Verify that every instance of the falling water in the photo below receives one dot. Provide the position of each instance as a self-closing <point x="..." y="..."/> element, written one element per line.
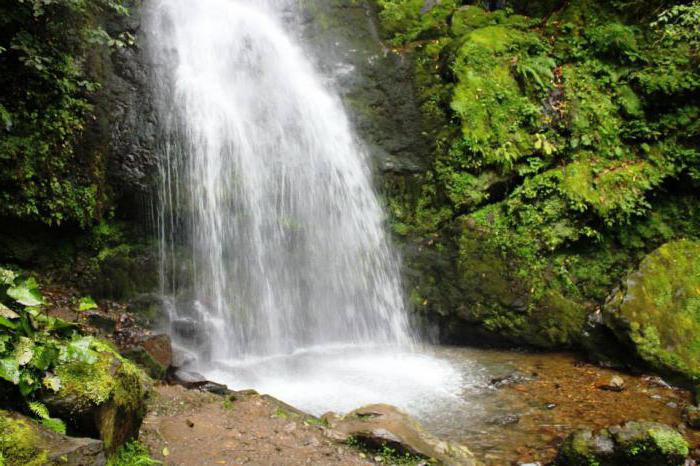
<point x="272" y="234"/>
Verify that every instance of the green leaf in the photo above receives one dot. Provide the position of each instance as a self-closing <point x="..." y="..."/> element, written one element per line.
<point x="26" y="295"/>
<point x="55" y="424"/>
<point x="7" y="313"/>
<point x="44" y="357"/>
<point x="86" y="304"/>
<point x="7" y="277"/>
<point x="24" y="352"/>
<point x="39" y="409"/>
<point x="79" y="350"/>
<point x="9" y="370"/>
<point x="4" y="322"/>
<point x="52" y="382"/>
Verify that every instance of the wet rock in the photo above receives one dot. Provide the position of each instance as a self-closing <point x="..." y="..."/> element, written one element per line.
<point x="615" y="384"/>
<point x="24" y="442"/>
<point x="655" y="311"/>
<point x="188" y="330"/>
<point x="507" y="420"/>
<point x="657" y="382"/>
<point x="510" y="379"/>
<point x="195" y="381"/>
<point x="153" y="352"/>
<point x="634" y="443"/>
<point x="691" y="414"/>
<point x="380" y="425"/>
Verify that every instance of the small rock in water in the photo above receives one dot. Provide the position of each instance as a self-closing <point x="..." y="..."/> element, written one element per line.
<point x="551" y="406"/>
<point x="672" y="405"/>
<point x="506" y="420"/>
<point x="657" y="382"/>
<point x="691" y="414"/>
<point x="616" y="384"/>
<point x="510" y="379"/>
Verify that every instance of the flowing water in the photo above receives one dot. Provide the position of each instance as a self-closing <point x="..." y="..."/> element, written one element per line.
<point x="267" y="197"/>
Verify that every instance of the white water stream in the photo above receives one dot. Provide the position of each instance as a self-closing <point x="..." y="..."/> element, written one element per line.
<point x="274" y="255"/>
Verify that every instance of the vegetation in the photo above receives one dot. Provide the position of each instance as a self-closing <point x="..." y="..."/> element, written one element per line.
<point x="567" y="147"/>
<point x="46" y="109"/>
<point x="132" y="454"/>
<point x="47" y="360"/>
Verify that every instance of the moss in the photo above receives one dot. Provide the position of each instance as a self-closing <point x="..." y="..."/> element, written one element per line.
<point x="110" y="392"/>
<point x="132" y="454"/>
<point x="648" y="444"/>
<point x="659" y="312"/>
<point x="19" y="443"/>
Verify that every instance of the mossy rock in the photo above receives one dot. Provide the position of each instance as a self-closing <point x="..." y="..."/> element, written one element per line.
<point x="635" y="443"/>
<point x="657" y="312"/>
<point x="23" y="442"/>
<point x="106" y="399"/>
<point x="19" y="443"/>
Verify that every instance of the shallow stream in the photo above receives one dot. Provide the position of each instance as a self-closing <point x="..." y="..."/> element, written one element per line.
<point x="507" y="407"/>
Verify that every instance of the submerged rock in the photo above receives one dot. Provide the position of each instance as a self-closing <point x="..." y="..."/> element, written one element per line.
<point x="615" y="384"/>
<point x="635" y="443"/>
<point x="657" y="310"/>
<point x="379" y="425"/>
<point x="691" y="414"/>
<point x="24" y="442"/>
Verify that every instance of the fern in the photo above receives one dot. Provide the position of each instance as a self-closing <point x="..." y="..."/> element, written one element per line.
<point x="42" y="412"/>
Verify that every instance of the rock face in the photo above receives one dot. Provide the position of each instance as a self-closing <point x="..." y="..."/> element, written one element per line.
<point x="657" y="311"/>
<point x="26" y="443"/>
<point x="379" y="425"/>
<point x="637" y="443"/>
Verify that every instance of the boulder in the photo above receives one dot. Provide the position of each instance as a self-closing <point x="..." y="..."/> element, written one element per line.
<point x="691" y="414"/>
<point x="25" y="442"/>
<point x="635" y="443"/>
<point x="152" y="352"/>
<point x="383" y="425"/>
<point x="657" y="310"/>
<point x="105" y="399"/>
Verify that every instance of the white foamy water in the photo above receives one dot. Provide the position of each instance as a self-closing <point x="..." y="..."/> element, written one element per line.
<point x="278" y="269"/>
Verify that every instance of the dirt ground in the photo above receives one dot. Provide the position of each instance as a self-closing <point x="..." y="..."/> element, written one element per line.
<point x="189" y="428"/>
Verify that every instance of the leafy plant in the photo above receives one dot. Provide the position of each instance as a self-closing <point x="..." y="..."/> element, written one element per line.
<point x="132" y="454"/>
<point x="33" y="344"/>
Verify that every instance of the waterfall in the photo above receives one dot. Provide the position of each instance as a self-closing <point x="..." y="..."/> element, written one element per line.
<point x="272" y="236"/>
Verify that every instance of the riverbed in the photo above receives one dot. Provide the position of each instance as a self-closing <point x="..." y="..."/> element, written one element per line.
<point x="506" y="406"/>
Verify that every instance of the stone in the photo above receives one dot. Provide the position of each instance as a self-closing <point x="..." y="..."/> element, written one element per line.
<point x="655" y="312"/>
<point x="106" y="399"/>
<point x="615" y="384"/>
<point x="691" y="414"/>
<point x="379" y="425"/>
<point x="25" y="442"/>
<point x="153" y="352"/>
<point x="634" y="443"/>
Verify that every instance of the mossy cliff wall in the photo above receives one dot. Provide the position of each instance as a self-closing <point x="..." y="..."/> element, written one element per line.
<point x="564" y="148"/>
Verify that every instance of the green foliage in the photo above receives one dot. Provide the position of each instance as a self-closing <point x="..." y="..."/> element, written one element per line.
<point x="132" y="454"/>
<point x="40" y="353"/>
<point x="681" y="24"/>
<point x="571" y="144"/>
<point x="45" y="109"/>
<point x="387" y="453"/>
